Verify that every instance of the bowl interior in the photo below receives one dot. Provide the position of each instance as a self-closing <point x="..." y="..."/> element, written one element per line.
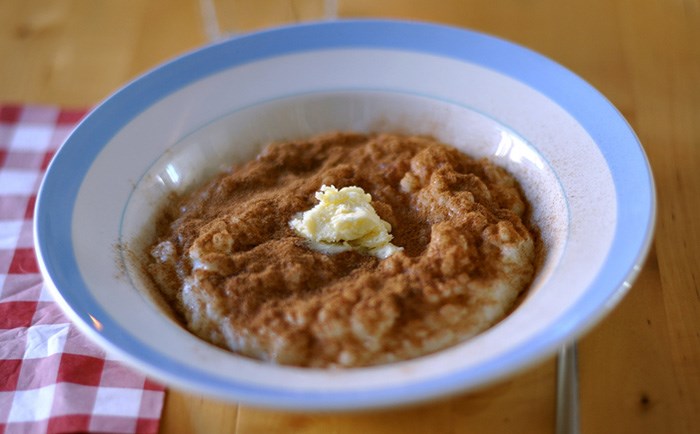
<point x="239" y="135"/>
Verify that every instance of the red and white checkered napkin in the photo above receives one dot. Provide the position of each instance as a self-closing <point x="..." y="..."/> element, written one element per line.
<point x="52" y="379"/>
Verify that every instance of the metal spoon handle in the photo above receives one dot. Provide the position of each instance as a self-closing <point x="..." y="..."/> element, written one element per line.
<point x="567" y="421"/>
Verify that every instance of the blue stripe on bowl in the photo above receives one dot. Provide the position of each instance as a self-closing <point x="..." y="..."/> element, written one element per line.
<point x="618" y="144"/>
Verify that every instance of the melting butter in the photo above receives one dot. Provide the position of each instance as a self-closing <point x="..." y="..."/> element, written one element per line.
<point x="345" y="220"/>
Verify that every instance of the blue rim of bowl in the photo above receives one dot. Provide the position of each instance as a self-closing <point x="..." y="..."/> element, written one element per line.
<point x="624" y="155"/>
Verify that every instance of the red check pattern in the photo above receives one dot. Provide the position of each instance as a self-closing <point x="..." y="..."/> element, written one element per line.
<point x="52" y="379"/>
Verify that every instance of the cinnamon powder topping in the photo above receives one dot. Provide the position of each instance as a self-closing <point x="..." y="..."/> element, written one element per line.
<point x="240" y="277"/>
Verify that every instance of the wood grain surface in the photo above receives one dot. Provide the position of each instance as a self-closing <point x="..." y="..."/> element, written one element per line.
<point x="639" y="368"/>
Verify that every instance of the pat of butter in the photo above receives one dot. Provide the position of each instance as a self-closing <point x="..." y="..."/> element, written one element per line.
<point x="344" y="220"/>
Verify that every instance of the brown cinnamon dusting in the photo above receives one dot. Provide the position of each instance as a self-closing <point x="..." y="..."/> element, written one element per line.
<point x="263" y="293"/>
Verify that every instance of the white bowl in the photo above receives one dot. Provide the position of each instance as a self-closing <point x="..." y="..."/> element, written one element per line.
<point x="576" y="157"/>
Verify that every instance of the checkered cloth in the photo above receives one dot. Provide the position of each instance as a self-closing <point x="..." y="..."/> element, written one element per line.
<point x="52" y="379"/>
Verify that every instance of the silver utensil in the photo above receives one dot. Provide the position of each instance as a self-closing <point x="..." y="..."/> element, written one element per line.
<point x="567" y="417"/>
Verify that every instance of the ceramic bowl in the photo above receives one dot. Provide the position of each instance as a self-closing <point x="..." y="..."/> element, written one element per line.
<point x="577" y="159"/>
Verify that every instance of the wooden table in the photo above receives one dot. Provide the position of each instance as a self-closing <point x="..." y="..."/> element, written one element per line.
<point x="639" y="368"/>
